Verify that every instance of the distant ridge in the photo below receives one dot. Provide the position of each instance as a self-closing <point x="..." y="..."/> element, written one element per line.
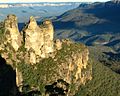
<point x="7" y="5"/>
<point x="116" y="1"/>
<point x="96" y="23"/>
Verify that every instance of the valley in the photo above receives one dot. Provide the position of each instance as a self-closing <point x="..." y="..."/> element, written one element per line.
<point x="77" y="54"/>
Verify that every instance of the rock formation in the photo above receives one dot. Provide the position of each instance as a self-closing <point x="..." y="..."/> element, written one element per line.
<point x="58" y="44"/>
<point x="43" y="35"/>
<point x="48" y="37"/>
<point x="33" y="34"/>
<point x="11" y="31"/>
<point x="72" y="69"/>
<point x="42" y="63"/>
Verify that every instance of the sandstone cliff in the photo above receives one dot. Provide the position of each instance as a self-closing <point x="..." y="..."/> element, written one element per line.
<point x="36" y="40"/>
<point x="43" y="35"/>
<point x="53" y="68"/>
<point x="11" y="31"/>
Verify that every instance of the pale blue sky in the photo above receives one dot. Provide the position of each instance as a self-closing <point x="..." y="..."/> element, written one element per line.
<point x="11" y="1"/>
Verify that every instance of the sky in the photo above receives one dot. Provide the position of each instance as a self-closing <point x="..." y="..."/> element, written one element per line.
<point x="13" y="1"/>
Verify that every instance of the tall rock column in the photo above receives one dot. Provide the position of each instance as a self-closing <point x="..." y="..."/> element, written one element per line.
<point x="11" y="32"/>
<point x="33" y="40"/>
<point x="39" y="39"/>
<point x="33" y="36"/>
<point x="48" y="37"/>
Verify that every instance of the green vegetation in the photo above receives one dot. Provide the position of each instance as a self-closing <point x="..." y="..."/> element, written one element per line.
<point x="1" y="29"/>
<point x="106" y="56"/>
<point x="104" y="83"/>
<point x="46" y="71"/>
<point x="22" y="49"/>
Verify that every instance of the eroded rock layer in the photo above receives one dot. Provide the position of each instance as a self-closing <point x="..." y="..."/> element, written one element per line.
<point x="53" y="68"/>
<point x="11" y="31"/>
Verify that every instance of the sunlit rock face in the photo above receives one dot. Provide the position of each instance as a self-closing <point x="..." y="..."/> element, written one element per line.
<point x="39" y="38"/>
<point x="73" y="69"/>
<point x="33" y="54"/>
<point x="11" y="31"/>
<point x="48" y="37"/>
<point x="58" y="44"/>
<point x="19" y="79"/>
<point x="33" y="36"/>
<point x="69" y="69"/>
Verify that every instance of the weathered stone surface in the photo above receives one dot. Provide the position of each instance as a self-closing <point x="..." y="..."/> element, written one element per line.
<point x="60" y="64"/>
<point x="19" y="79"/>
<point x="48" y="36"/>
<point x="43" y="35"/>
<point x="74" y="70"/>
<point x="58" y="44"/>
<point x="11" y="31"/>
<point x="68" y="70"/>
<point x="32" y="58"/>
<point x="34" y="36"/>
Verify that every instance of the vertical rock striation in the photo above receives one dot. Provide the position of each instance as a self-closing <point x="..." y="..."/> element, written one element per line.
<point x="48" y="31"/>
<point x="59" y="65"/>
<point x="11" y="31"/>
<point x="33" y="36"/>
<point x="39" y="39"/>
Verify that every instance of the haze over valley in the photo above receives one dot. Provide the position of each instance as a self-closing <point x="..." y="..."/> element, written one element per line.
<point x="60" y="49"/>
<point x="38" y="10"/>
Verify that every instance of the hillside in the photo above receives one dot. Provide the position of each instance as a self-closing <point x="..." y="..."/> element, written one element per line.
<point x="96" y="23"/>
<point x="104" y="83"/>
<point x="47" y="58"/>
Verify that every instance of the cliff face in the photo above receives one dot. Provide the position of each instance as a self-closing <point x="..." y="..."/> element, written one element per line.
<point x="71" y="69"/>
<point x="11" y="31"/>
<point x="43" y="35"/>
<point x="41" y="63"/>
<point x="27" y="39"/>
<point x="33" y="34"/>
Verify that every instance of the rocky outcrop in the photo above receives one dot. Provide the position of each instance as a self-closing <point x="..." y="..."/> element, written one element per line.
<point x="42" y="63"/>
<point x="72" y="69"/>
<point x="11" y="31"/>
<point x="30" y="45"/>
<point x="48" y="37"/>
<point x="33" y="34"/>
<point x="19" y="79"/>
<point x="58" y="44"/>
<point x="61" y="75"/>
<point x="43" y="35"/>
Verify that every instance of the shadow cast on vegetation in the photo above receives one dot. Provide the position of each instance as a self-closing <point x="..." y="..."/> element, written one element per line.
<point x="7" y="79"/>
<point x="55" y="90"/>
